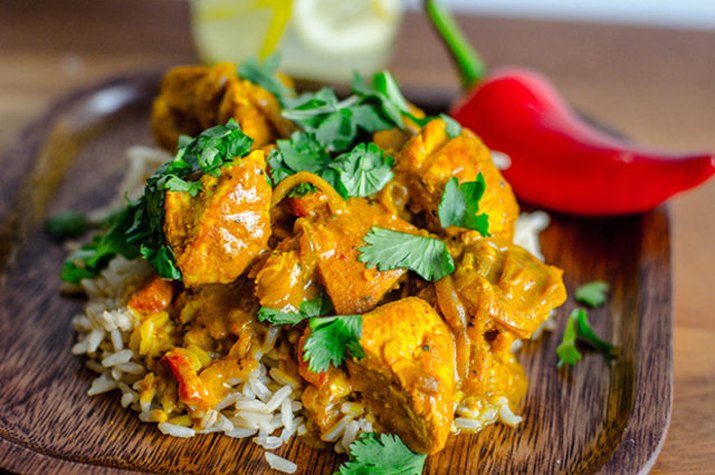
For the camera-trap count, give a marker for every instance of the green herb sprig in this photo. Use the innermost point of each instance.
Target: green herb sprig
(363, 171)
(381, 454)
(331, 340)
(68, 225)
(592, 294)
(578, 327)
(387, 249)
(317, 307)
(459, 205)
(264, 74)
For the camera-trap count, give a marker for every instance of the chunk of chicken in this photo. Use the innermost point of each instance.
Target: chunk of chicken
(430, 159)
(503, 284)
(335, 240)
(407, 376)
(325, 250)
(194, 98)
(216, 234)
(287, 277)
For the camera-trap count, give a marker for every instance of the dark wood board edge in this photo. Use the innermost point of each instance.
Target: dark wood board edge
(16, 458)
(654, 385)
(644, 429)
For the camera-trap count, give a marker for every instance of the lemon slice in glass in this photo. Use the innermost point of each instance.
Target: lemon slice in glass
(235, 30)
(346, 27)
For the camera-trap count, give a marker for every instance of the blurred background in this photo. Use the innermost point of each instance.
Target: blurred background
(698, 14)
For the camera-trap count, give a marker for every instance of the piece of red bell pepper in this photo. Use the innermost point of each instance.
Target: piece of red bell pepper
(557, 160)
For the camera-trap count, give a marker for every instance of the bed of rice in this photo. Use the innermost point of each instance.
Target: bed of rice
(266, 405)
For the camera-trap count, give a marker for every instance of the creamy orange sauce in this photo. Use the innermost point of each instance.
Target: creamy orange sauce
(429, 347)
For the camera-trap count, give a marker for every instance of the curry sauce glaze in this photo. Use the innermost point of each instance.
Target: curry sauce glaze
(447, 344)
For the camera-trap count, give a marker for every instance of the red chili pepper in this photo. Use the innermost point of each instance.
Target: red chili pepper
(558, 161)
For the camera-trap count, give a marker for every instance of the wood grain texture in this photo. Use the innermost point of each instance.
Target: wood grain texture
(591, 418)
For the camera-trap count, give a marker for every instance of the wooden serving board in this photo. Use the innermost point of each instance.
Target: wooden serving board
(591, 418)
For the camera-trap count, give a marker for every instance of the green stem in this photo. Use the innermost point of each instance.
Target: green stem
(471, 67)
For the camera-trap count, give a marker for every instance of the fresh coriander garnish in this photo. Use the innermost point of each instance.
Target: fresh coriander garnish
(381, 454)
(364, 170)
(331, 340)
(567, 351)
(138, 228)
(577, 327)
(337, 124)
(330, 120)
(592, 294)
(360, 172)
(384, 94)
(586, 333)
(89, 260)
(264, 75)
(319, 306)
(301, 152)
(387, 249)
(460, 204)
(67, 225)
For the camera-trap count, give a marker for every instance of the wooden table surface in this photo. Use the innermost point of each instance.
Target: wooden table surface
(656, 85)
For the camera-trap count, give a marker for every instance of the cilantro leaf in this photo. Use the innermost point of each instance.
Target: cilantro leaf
(331, 121)
(460, 204)
(361, 172)
(381, 454)
(388, 249)
(384, 95)
(331, 340)
(317, 307)
(338, 131)
(310, 109)
(592, 294)
(369, 119)
(264, 74)
(89, 260)
(277, 317)
(364, 170)
(321, 305)
(301, 152)
(577, 327)
(567, 351)
(67, 225)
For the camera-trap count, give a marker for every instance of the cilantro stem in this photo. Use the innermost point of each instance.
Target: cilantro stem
(586, 333)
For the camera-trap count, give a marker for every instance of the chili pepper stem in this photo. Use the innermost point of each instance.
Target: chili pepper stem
(471, 67)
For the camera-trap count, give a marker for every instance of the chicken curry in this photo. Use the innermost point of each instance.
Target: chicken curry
(273, 255)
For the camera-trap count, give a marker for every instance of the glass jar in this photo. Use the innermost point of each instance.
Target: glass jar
(317, 39)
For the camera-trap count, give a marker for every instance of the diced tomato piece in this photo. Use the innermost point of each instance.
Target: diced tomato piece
(191, 389)
(308, 204)
(316, 379)
(154, 297)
